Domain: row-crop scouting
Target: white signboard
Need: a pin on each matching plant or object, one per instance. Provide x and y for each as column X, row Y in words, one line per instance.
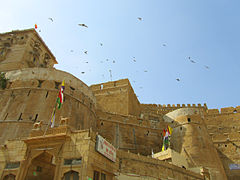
column 105, row 148
column 234, row 166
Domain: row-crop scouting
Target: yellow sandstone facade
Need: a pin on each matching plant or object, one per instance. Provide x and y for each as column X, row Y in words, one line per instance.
column 205, row 143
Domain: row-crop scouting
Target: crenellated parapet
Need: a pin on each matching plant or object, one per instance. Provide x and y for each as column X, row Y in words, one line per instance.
column 223, row 111
column 163, row 108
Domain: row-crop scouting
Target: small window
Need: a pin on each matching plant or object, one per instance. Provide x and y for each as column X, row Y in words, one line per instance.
column 12, row 165
column 47, row 94
column 147, row 133
column 72, row 161
column 57, row 85
column 96, row 175
column 189, row 119
column 20, row 117
column 40, row 83
column 39, row 169
column 103, row 176
column 29, row 92
column 72, row 88
column 180, row 128
column 6, row 116
column 36, row 118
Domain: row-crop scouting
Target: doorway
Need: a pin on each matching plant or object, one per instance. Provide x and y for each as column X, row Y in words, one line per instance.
column 41, row 167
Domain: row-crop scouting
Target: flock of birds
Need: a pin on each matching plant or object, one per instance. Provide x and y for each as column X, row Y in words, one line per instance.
column 134, row 59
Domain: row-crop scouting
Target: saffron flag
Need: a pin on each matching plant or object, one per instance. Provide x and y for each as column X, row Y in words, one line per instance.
column 35, row 26
column 169, row 130
column 60, row 96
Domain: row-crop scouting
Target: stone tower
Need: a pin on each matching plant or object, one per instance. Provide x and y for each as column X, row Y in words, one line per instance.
column 33, row 86
column 24, row 49
column 191, row 139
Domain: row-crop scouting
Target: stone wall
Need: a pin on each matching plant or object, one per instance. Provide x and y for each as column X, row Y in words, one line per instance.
column 130, row 133
column 22, row 49
column 136, row 165
column 191, row 139
column 31, row 95
column 224, row 128
column 116, row 97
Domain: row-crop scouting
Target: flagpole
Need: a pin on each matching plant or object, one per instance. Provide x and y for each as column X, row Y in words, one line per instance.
column 60, row 95
column 54, row 109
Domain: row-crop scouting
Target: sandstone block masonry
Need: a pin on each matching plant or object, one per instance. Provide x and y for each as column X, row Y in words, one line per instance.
column 205, row 141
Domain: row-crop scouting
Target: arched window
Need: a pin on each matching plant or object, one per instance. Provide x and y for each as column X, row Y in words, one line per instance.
column 71, row 175
column 9, row 177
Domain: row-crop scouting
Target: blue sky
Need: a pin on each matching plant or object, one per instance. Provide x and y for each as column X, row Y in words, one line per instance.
column 206, row 31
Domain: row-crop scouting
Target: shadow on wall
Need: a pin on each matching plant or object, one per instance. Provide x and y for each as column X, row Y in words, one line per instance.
column 232, row 174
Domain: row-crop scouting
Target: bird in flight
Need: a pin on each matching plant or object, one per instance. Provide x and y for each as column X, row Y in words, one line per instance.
column 107, row 59
column 86, row 62
column 101, row 44
column 164, row 45
column 83, row 25
column 71, row 51
column 82, row 72
column 207, row 67
column 134, row 59
column 51, row 19
column 145, row 71
column 113, row 61
column 178, row 79
column 85, row 52
column 191, row 60
column 139, row 18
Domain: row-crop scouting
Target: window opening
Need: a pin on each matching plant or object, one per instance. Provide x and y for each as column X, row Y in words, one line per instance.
column 36, row 118
column 29, row 92
column 39, row 169
column 72, row 161
column 57, row 85
column 12, row 165
column 6, row 116
column 103, row 176
column 40, row 83
column 20, row 117
column 189, row 119
column 47, row 94
column 96, row 175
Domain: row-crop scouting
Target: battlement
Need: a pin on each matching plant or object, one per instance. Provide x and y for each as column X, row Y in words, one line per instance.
column 226, row 110
column 173, row 106
column 111, row 84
